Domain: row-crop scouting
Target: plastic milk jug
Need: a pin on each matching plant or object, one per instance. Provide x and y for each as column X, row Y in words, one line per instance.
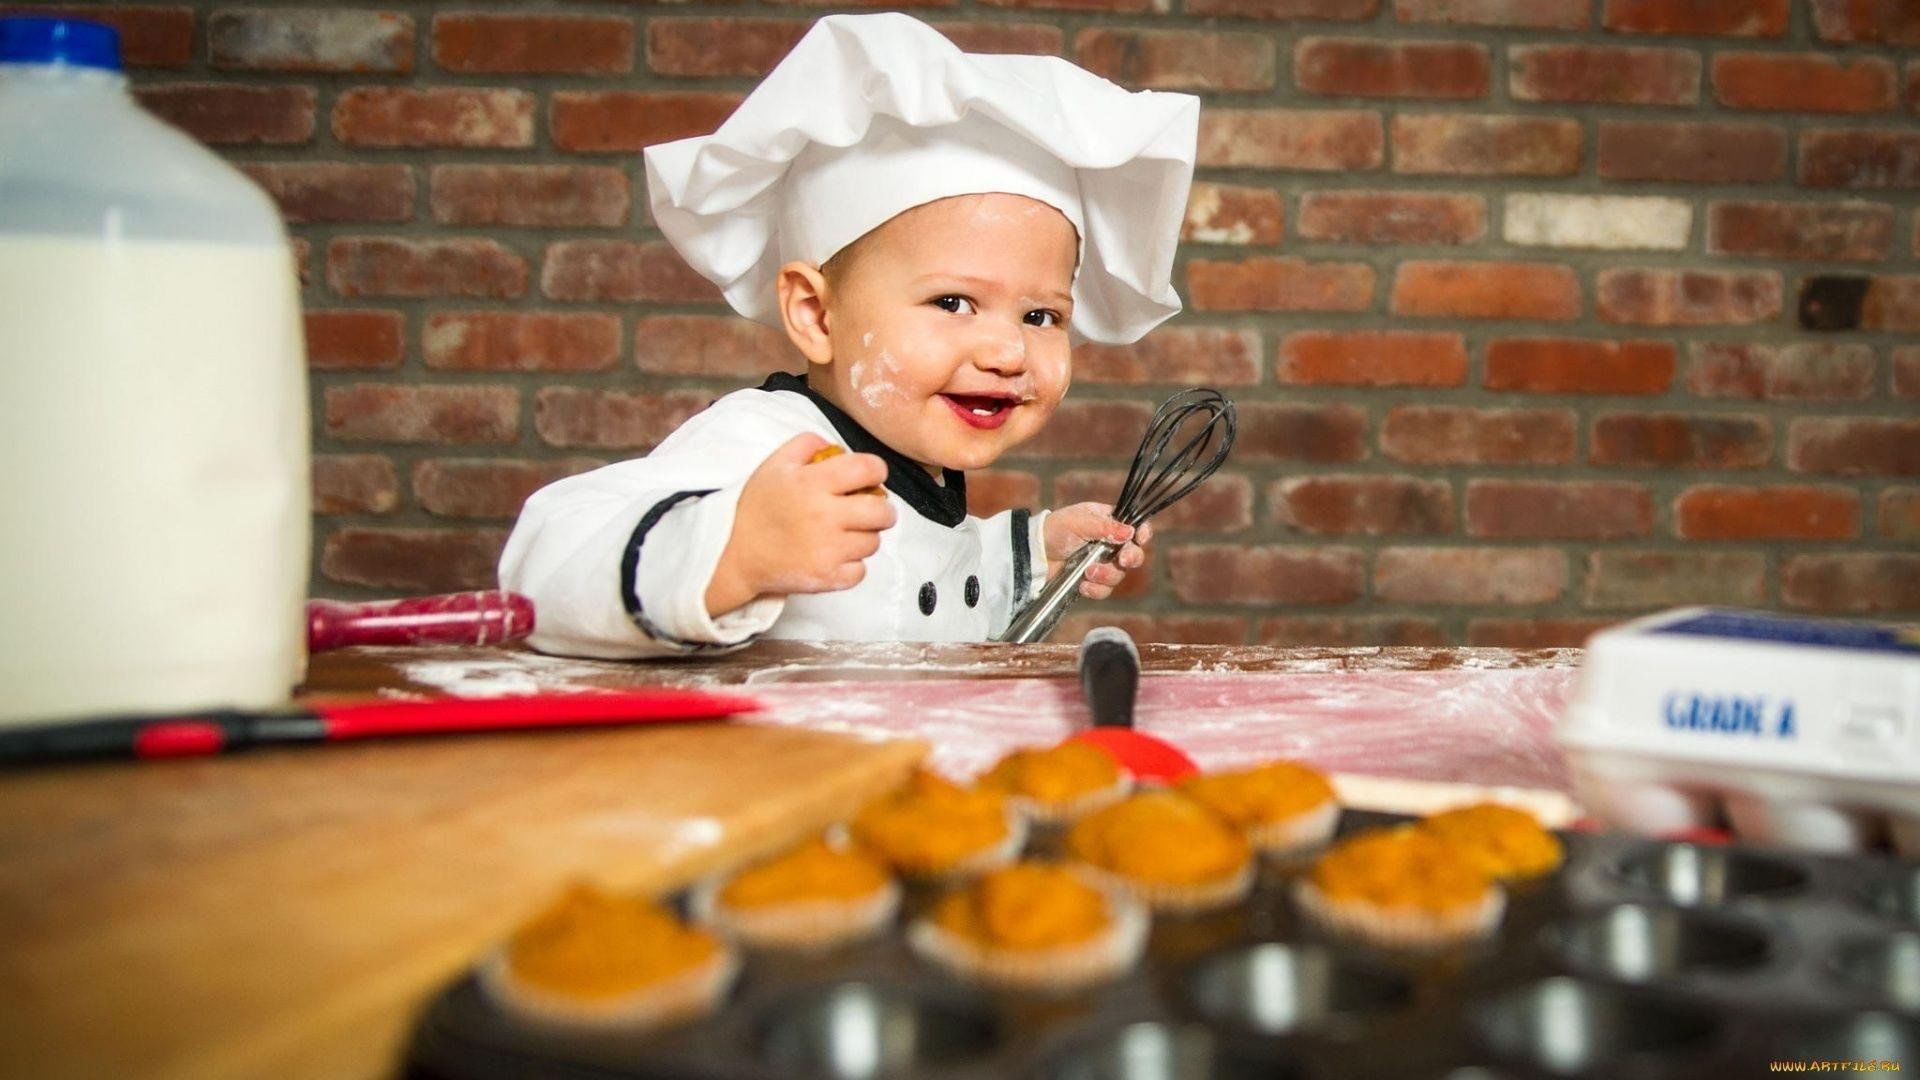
column 153, row 404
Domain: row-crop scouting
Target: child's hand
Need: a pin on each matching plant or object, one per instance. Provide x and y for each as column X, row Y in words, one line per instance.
column 1071, row 526
column 802, row 526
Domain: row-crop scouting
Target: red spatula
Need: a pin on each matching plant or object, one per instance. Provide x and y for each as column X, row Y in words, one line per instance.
column 1109, row 677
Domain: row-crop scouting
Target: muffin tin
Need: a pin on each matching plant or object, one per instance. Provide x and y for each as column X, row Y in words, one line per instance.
column 1637, row 959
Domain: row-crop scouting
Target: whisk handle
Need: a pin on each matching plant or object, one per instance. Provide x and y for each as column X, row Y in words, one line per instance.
column 1038, row 619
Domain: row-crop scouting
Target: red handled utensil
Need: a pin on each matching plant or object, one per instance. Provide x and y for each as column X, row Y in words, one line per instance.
column 1109, row 677
column 314, row 722
column 486, row 617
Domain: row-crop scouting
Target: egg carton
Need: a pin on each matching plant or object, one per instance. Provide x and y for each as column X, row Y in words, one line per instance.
column 1794, row 731
column 1638, row 958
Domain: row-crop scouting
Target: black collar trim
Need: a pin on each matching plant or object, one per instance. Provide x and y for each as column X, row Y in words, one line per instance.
column 942, row 505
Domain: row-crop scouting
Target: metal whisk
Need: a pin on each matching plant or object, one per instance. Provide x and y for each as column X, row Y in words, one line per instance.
column 1161, row 475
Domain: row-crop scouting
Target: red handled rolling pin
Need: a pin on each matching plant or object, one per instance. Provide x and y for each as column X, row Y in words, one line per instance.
column 469, row 618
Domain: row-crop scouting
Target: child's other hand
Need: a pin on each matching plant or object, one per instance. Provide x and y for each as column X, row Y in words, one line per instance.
column 1072, row 526
column 802, row 526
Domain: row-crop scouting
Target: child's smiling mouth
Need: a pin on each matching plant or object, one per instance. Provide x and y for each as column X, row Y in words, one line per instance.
column 985, row 411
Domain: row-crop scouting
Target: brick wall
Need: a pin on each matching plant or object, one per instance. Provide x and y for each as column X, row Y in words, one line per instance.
column 1539, row 313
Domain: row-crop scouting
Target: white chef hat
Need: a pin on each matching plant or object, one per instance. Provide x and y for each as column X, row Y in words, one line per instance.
column 871, row 115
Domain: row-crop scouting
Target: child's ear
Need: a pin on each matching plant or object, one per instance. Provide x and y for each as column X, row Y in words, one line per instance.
column 802, row 291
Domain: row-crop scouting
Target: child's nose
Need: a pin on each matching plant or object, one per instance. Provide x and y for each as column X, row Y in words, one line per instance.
column 1004, row 354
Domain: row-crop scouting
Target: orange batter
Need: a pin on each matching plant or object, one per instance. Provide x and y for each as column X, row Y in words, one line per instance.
column 1404, row 867
column 1276, row 791
column 812, row 871
column 1054, row 775
column 1160, row 837
column 1025, row 906
column 592, row 945
column 932, row 824
column 1505, row 842
column 831, row 451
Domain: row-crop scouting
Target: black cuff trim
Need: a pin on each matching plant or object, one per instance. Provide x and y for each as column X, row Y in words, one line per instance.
column 1022, row 558
column 630, row 572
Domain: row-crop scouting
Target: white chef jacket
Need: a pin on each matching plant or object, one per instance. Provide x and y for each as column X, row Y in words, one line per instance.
column 617, row 561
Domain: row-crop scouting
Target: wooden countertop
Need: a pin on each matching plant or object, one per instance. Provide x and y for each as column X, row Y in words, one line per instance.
column 284, row 913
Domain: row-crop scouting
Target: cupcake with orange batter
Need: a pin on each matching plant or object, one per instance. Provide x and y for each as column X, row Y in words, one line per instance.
column 1506, row 842
column 814, row 896
column 1058, row 783
column 594, row 959
column 1404, row 887
column 1282, row 807
column 1167, row 849
column 935, row 828
column 1033, row 925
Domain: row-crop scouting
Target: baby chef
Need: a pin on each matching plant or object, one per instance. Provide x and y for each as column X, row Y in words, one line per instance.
column 932, row 229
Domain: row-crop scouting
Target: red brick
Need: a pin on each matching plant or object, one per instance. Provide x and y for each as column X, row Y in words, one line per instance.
column 1241, row 576
column 1078, row 427
column 1323, row 433
column 1469, row 145
column 1354, row 633
column 732, row 46
column 443, row 116
column 486, row 487
column 1856, row 232
column 1557, row 510
column 1832, row 158
column 1534, row 633
column 310, row 40
column 1323, row 358
column 1803, row 82
column 339, row 340
column 1096, row 6
column 1269, row 284
column 1912, row 95
column 1899, row 513
column 414, row 560
column 327, row 191
column 601, row 419
column 1604, row 75
column 1223, row 504
column 377, row 412
column 223, row 115
column 714, row 346
column 619, row 270
column 1858, row 446
column 302, row 255
column 1652, row 579
column 1783, row 371
column 354, row 484
column 1502, row 290
column 1318, row 140
column 1387, row 69
column 1477, row 576
column 1670, row 440
column 1718, row 512
column 1364, row 505
column 1392, row 217
column 1233, row 214
column 1697, row 18
column 1317, row 10
column 150, row 36
column 626, row 121
column 1700, row 153
column 1188, row 355
column 991, row 491
column 1523, row 14
column 530, row 195
column 1906, row 372
column 1892, row 303
column 1867, row 22
column 1030, row 39
column 389, row 266
column 1570, row 366
column 1686, row 297
column 1177, row 59
column 1856, row 582
column 1169, row 629
column 521, row 341
column 533, row 44
column 1450, row 435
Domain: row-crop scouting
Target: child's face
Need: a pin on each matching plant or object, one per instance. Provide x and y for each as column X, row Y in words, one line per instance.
column 948, row 329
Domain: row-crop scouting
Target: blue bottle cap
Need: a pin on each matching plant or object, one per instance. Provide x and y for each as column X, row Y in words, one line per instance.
column 31, row 40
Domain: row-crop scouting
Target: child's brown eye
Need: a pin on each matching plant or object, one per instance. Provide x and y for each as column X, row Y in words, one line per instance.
column 1043, row 317
column 957, row 304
